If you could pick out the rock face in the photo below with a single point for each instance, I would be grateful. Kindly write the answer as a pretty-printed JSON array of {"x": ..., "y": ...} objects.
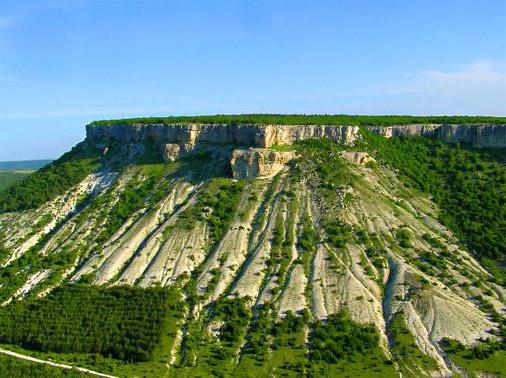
[
  {"x": 173, "y": 151},
  {"x": 262, "y": 136},
  {"x": 359, "y": 158},
  {"x": 182, "y": 136},
  {"x": 492, "y": 136},
  {"x": 258, "y": 162}
]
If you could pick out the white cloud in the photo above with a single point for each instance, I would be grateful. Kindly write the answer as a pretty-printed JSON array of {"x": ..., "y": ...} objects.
[
  {"x": 476, "y": 88},
  {"x": 471, "y": 79},
  {"x": 480, "y": 72}
]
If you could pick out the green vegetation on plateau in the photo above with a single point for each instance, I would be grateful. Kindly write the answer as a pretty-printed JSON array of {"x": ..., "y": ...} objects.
[
  {"x": 52, "y": 180},
  {"x": 302, "y": 119},
  {"x": 125, "y": 323},
  {"x": 469, "y": 185}
]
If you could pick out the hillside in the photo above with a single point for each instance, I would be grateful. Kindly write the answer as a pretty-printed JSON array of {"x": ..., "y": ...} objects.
[{"x": 243, "y": 248}]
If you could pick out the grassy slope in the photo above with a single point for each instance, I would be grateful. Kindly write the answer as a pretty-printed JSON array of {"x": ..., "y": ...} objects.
[
  {"x": 477, "y": 367},
  {"x": 411, "y": 360},
  {"x": 301, "y": 119}
]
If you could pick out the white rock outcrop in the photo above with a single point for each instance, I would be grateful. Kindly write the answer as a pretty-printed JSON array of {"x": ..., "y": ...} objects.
[
  {"x": 173, "y": 151},
  {"x": 359, "y": 158},
  {"x": 258, "y": 162}
]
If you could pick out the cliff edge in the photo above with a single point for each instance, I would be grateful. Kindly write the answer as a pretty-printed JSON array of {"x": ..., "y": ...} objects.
[{"x": 187, "y": 135}]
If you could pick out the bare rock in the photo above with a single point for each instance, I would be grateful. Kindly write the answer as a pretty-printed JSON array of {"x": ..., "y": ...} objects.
[
  {"x": 173, "y": 151},
  {"x": 258, "y": 162},
  {"x": 479, "y": 135},
  {"x": 359, "y": 158}
]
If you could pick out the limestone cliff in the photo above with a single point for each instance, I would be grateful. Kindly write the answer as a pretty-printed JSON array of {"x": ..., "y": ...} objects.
[
  {"x": 182, "y": 137},
  {"x": 479, "y": 135},
  {"x": 258, "y": 162},
  {"x": 262, "y": 136},
  {"x": 173, "y": 151}
]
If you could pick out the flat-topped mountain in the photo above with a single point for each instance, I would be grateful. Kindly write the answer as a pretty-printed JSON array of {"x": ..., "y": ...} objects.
[{"x": 263, "y": 245}]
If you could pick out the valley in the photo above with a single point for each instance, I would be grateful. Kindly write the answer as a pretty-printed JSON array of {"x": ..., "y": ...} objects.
[{"x": 14, "y": 171}]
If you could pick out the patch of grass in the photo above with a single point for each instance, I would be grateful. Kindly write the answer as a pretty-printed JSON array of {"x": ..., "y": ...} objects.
[
  {"x": 156, "y": 368},
  {"x": 282, "y": 147},
  {"x": 403, "y": 236},
  {"x": 405, "y": 352},
  {"x": 216, "y": 204},
  {"x": 485, "y": 358},
  {"x": 341, "y": 347},
  {"x": 204, "y": 355},
  {"x": 274, "y": 347}
]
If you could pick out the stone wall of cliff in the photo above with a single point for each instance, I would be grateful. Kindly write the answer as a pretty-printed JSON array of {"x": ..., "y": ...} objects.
[
  {"x": 479, "y": 135},
  {"x": 262, "y": 136},
  {"x": 258, "y": 162}
]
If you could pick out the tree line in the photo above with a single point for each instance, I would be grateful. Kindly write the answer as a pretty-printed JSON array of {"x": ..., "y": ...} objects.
[{"x": 306, "y": 119}]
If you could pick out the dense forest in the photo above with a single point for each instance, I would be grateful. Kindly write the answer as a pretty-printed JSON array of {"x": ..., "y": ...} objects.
[
  {"x": 52, "y": 180},
  {"x": 303, "y": 119},
  {"x": 126, "y": 323},
  {"x": 469, "y": 185}
]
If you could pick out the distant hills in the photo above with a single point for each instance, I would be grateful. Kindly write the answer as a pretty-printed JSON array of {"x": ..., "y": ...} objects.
[{"x": 23, "y": 164}]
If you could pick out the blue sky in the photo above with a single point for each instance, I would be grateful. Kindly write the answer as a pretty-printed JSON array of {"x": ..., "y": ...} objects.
[{"x": 66, "y": 63}]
